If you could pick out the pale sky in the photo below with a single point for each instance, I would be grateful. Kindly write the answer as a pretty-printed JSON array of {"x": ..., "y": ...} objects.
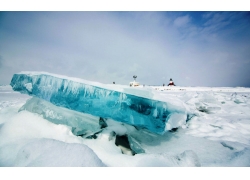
[{"x": 192, "y": 48}]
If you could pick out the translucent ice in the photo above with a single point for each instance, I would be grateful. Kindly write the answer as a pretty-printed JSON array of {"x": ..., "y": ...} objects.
[
  {"x": 108, "y": 101},
  {"x": 82, "y": 124}
]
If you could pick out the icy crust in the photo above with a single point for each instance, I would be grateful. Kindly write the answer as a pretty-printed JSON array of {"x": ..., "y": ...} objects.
[{"x": 103, "y": 100}]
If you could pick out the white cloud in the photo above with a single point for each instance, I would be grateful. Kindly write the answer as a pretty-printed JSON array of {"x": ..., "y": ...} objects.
[
  {"x": 112, "y": 46},
  {"x": 182, "y": 21}
]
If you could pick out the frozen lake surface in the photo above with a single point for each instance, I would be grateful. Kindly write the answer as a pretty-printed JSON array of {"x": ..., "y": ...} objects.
[{"x": 218, "y": 135}]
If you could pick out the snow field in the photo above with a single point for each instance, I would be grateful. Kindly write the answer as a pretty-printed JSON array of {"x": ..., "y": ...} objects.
[{"x": 218, "y": 135}]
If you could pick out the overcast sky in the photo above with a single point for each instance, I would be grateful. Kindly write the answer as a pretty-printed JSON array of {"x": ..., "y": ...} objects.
[{"x": 193, "y": 48}]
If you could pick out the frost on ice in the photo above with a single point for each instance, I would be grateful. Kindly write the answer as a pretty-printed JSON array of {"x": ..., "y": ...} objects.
[{"x": 107, "y": 101}]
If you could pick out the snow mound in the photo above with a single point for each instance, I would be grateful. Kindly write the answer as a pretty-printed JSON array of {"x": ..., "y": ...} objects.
[{"x": 53, "y": 153}]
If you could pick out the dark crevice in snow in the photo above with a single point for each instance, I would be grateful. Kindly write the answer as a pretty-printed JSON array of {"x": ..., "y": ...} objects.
[
  {"x": 123, "y": 143},
  {"x": 173, "y": 130},
  {"x": 76, "y": 132},
  {"x": 227, "y": 146},
  {"x": 215, "y": 126},
  {"x": 203, "y": 110},
  {"x": 189, "y": 117},
  {"x": 93, "y": 136},
  {"x": 102, "y": 123}
]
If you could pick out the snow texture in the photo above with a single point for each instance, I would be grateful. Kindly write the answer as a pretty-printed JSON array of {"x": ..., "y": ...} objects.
[
  {"x": 217, "y": 135},
  {"x": 116, "y": 102},
  {"x": 53, "y": 153}
]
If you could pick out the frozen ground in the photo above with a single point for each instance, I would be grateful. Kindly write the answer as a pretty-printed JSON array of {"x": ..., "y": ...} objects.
[{"x": 218, "y": 135}]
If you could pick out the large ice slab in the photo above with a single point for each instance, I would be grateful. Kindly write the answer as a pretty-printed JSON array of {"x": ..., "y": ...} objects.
[{"x": 138, "y": 107}]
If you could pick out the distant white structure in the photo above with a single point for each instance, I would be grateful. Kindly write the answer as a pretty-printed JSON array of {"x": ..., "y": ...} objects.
[{"x": 134, "y": 83}]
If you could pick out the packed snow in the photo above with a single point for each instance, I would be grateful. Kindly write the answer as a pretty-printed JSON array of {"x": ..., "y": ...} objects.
[{"x": 216, "y": 134}]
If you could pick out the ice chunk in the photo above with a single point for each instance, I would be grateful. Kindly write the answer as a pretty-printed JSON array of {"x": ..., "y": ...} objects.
[
  {"x": 107, "y": 101},
  {"x": 135, "y": 146},
  {"x": 175, "y": 120},
  {"x": 189, "y": 158},
  {"x": 239, "y": 98},
  {"x": 204, "y": 102},
  {"x": 207, "y": 107},
  {"x": 81, "y": 123}
]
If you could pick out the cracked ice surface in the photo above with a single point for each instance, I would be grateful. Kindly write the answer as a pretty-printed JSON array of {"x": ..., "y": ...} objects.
[{"x": 139, "y": 107}]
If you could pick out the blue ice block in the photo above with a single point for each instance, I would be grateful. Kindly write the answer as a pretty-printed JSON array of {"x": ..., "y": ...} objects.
[{"x": 99, "y": 101}]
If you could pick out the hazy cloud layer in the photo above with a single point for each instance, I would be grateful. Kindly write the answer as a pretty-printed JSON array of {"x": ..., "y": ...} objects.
[
  {"x": 193, "y": 48},
  {"x": 182, "y": 21}
]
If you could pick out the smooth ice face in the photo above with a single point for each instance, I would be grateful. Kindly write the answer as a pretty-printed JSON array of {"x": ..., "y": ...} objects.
[
  {"x": 82, "y": 124},
  {"x": 103, "y": 100}
]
